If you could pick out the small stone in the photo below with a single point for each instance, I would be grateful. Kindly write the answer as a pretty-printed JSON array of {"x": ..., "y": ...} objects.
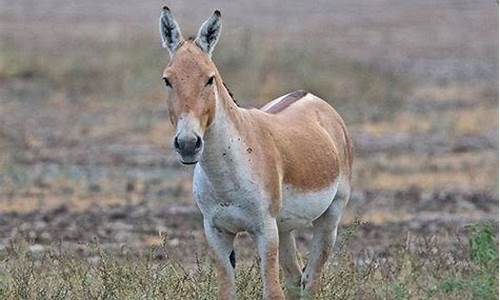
[
  {"x": 36, "y": 248},
  {"x": 173, "y": 242}
]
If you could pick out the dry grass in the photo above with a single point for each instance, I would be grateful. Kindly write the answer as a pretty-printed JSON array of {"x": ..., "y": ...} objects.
[
  {"x": 417, "y": 269},
  {"x": 467, "y": 171},
  {"x": 469, "y": 121}
]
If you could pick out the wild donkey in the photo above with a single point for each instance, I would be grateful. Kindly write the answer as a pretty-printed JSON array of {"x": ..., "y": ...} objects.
[{"x": 266, "y": 171}]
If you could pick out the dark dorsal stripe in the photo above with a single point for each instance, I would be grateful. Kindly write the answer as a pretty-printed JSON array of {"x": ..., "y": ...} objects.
[{"x": 286, "y": 101}]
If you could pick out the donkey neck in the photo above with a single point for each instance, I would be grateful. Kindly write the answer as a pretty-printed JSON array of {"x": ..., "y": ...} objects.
[{"x": 223, "y": 142}]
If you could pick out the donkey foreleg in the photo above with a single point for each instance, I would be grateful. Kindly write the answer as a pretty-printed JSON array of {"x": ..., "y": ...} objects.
[
  {"x": 221, "y": 246},
  {"x": 268, "y": 248}
]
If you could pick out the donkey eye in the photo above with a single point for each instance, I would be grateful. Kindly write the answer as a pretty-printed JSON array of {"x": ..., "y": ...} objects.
[
  {"x": 210, "y": 81},
  {"x": 167, "y": 83}
]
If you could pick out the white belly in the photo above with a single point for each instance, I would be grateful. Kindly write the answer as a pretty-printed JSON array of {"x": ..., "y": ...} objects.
[
  {"x": 299, "y": 209},
  {"x": 239, "y": 207}
]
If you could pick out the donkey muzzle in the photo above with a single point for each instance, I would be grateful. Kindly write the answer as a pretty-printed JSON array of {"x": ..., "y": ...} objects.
[{"x": 188, "y": 147}]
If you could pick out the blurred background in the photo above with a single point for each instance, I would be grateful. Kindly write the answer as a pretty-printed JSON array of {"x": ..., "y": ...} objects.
[{"x": 85, "y": 144}]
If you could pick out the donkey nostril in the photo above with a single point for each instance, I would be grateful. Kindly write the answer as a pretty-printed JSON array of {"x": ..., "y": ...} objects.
[
  {"x": 176, "y": 143},
  {"x": 198, "y": 142}
]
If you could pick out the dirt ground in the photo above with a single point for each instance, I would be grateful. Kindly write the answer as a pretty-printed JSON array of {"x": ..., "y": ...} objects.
[{"x": 85, "y": 153}]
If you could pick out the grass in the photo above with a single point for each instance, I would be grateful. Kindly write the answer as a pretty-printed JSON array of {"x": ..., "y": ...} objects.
[{"x": 417, "y": 270}]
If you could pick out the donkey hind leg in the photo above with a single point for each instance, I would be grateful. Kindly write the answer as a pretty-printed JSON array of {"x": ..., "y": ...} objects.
[
  {"x": 290, "y": 264},
  {"x": 324, "y": 236}
]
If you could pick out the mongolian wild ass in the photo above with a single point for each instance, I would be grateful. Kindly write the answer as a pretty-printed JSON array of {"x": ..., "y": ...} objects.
[{"x": 265, "y": 171}]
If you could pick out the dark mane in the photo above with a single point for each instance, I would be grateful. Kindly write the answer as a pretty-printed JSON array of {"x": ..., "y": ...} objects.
[{"x": 230, "y": 94}]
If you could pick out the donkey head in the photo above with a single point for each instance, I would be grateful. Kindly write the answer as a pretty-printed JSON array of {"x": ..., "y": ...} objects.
[{"x": 191, "y": 80}]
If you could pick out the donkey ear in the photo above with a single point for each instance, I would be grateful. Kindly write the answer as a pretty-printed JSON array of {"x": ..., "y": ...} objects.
[
  {"x": 170, "y": 32},
  {"x": 209, "y": 33}
]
